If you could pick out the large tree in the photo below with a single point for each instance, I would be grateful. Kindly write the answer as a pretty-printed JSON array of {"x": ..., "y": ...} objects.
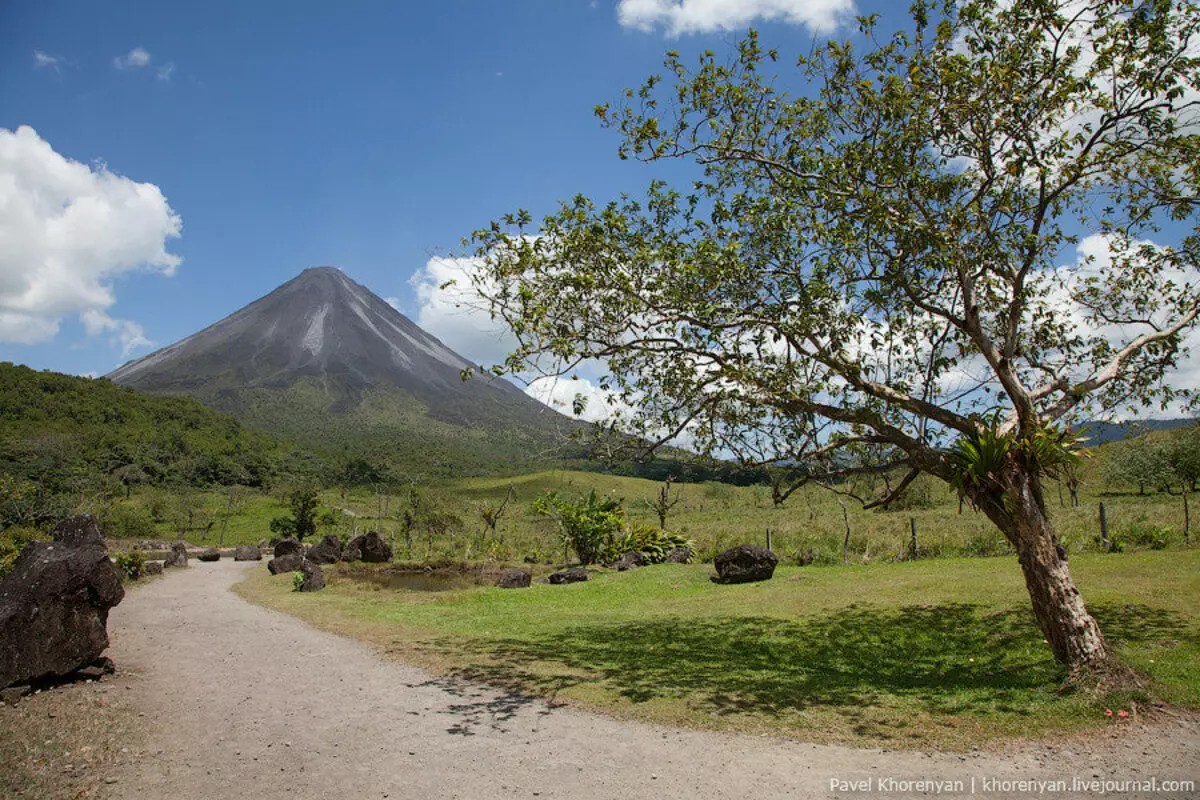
[{"x": 927, "y": 253}]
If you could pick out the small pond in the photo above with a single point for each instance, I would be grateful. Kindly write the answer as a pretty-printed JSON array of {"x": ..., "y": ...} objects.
[{"x": 441, "y": 580}]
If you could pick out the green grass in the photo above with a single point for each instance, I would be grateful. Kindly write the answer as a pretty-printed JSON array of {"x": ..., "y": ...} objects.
[{"x": 932, "y": 654}]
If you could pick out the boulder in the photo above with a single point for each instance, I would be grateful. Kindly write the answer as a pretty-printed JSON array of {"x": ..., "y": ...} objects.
[
  {"x": 54, "y": 605},
  {"x": 515, "y": 579},
  {"x": 628, "y": 561},
  {"x": 289, "y": 563},
  {"x": 247, "y": 552},
  {"x": 327, "y": 551},
  {"x": 745, "y": 563},
  {"x": 314, "y": 577},
  {"x": 680, "y": 555},
  {"x": 285, "y": 547},
  {"x": 371, "y": 547},
  {"x": 351, "y": 552},
  {"x": 210, "y": 555},
  {"x": 152, "y": 568},
  {"x": 572, "y": 575},
  {"x": 177, "y": 557}
]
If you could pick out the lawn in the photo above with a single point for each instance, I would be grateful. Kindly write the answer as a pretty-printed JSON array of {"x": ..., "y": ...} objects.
[{"x": 929, "y": 654}]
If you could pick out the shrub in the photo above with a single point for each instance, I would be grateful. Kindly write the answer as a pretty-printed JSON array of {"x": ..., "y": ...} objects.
[
  {"x": 589, "y": 524},
  {"x": 297, "y": 581},
  {"x": 131, "y": 564},
  {"x": 122, "y": 521},
  {"x": 653, "y": 543},
  {"x": 12, "y": 541}
]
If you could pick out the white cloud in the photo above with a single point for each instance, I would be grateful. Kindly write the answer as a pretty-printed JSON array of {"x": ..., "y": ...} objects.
[
  {"x": 450, "y": 309},
  {"x": 678, "y": 17},
  {"x": 66, "y": 231},
  {"x": 136, "y": 58},
  {"x": 164, "y": 72},
  {"x": 41, "y": 59},
  {"x": 124, "y": 332}
]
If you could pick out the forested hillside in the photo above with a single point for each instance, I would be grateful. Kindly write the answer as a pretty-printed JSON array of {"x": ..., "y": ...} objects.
[{"x": 70, "y": 434}]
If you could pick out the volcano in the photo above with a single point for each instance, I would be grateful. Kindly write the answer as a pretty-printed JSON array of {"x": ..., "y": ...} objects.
[{"x": 326, "y": 362}]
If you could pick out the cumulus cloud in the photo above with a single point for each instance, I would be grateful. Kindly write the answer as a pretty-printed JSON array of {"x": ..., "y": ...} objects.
[
  {"x": 678, "y": 17},
  {"x": 450, "y": 309},
  {"x": 67, "y": 230},
  {"x": 136, "y": 58}
]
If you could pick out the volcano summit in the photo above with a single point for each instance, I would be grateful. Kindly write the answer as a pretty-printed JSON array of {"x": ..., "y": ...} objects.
[{"x": 326, "y": 362}]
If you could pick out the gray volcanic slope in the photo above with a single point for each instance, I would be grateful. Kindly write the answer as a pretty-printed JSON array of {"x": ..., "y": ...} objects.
[{"x": 323, "y": 326}]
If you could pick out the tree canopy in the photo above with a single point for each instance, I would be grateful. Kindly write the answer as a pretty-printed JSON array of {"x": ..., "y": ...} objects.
[{"x": 896, "y": 249}]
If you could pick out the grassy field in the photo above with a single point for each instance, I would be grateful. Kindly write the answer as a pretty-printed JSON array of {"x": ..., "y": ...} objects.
[
  {"x": 928, "y": 654},
  {"x": 810, "y": 527}
]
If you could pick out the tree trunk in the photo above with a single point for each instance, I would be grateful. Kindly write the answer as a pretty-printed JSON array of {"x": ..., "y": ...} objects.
[{"x": 1018, "y": 508}]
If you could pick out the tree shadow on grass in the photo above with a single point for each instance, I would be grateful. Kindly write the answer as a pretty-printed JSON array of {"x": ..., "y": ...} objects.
[{"x": 946, "y": 660}]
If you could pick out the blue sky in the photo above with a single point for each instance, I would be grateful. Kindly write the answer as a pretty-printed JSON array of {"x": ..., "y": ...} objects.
[
  {"x": 175, "y": 161},
  {"x": 367, "y": 135}
]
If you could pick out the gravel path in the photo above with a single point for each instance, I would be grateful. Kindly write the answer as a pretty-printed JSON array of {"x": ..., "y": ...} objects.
[{"x": 244, "y": 702}]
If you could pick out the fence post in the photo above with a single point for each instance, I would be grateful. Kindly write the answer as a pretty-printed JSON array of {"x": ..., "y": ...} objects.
[
  {"x": 912, "y": 524},
  {"x": 1103, "y": 528},
  {"x": 1187, "y": 518},
  {"x": 769, "y": 540}
]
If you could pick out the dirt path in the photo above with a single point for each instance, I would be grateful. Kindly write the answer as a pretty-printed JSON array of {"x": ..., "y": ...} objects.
[{"x": 243, "y": 702}]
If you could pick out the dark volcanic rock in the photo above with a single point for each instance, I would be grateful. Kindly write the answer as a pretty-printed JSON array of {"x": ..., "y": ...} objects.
[
  {"x": 79, "y": 531},
  {"x": 314, "y": 577},
  {"x": 152, "y": 568},
  {"x": 515, "y": 579},
  {"x": 745, "y": 563},
  {"x": 572, "y": 575},
  {"x": 351, "y": 552},
  {"x": 680, "y": 555},
  {"x": 371, "y": 548},
  {"x": 247, "y": 552},
  {"x": 628, "y": 561},
  {"x": 209, "y": 555},
  {"x": 285, "y": 547},
  {"x": 288, "y": 563},
  {"x": 54, "y": 605},
  {"x": 327, "y": 551},
  {"x": 177, "y": 557}
]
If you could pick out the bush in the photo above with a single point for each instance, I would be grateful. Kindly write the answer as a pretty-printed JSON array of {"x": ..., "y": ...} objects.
[
  {"x": 121, "y": 521},
  {"x": 131, "y": 564},
  {"x": 589, "y": 524},
  {"x": 12, "y": 541},
  {"x": 653, "y": 543}
]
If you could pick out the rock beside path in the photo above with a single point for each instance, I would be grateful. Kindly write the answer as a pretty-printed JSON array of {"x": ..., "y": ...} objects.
[
  {"x": 628, "y": 561},
  {"x": 572, "y": 575},
  {"x": 515, "y": 579},
  {"x": 286, "y": 547},
  {"x": 745, "y": 563},
  {"x": 177, "y": 557},
  {"x": 327, "y": 551},
  {"x": 54, "y": 605},
  {"x": 247, "y": 552},
  {"x": 288, "y": 563},
  {"x": 210, "y": 555},
  {"x": 369, "y": 547},
  {"x": 314, "y": 577}
]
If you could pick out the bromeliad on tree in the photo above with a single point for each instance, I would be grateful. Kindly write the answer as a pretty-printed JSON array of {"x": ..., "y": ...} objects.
[{"x": 887, "y": 242}]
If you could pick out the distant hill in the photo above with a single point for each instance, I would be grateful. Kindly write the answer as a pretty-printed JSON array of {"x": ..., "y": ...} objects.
[
  {"x": 325, "y": 362},
  {"x": 1098, "y": 433},
  {"x": 65, "y": 432}
]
